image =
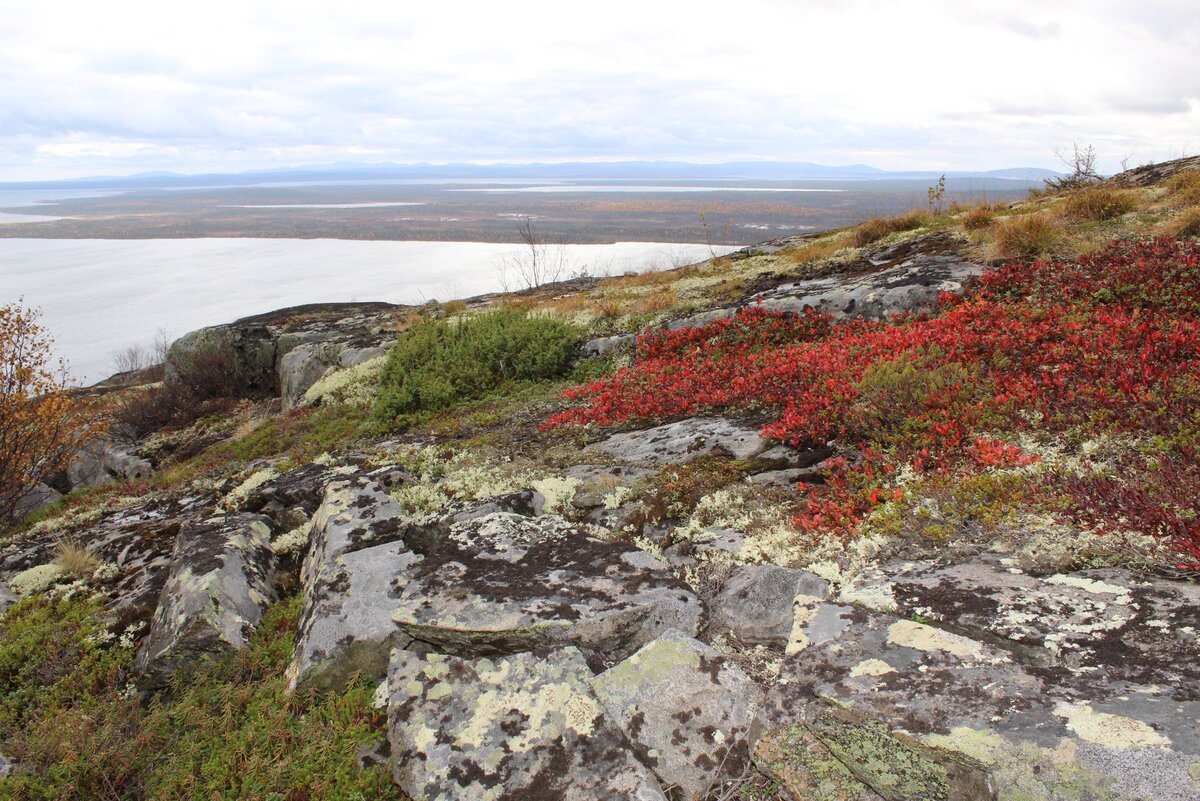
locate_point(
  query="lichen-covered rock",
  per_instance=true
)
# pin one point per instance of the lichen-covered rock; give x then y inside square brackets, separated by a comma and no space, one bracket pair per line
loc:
[686,710]
[685,441]
[910,286]
[603,345]
[504,583]
[357,562]
[1089,627]
[102,462]
[513,728]
[806,769]
[968,720]
[756,603]
[215,596]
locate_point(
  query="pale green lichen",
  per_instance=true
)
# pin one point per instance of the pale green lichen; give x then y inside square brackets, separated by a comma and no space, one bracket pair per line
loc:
[293,541]
[233,501]
[353,386]
[1108,730]
[557,491]
[36,579]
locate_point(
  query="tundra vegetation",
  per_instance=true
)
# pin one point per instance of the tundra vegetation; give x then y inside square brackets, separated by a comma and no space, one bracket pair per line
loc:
[1049,409]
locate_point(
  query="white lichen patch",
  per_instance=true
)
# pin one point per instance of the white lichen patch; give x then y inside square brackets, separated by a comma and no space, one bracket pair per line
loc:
[558,492]
[235,498]
[292,541]
[1110,731]
[1093,586]
[805,608]
[36,579]
[920,637]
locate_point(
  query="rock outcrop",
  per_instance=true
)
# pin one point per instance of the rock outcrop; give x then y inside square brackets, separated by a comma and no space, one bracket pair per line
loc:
[685,441]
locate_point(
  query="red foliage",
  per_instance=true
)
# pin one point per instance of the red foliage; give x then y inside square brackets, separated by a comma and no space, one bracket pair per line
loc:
[1107,344]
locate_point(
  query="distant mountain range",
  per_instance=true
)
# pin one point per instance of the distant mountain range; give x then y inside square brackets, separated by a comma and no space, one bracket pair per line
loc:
[574,171]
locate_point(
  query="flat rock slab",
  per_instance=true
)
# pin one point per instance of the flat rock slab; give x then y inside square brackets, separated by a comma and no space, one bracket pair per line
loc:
[503,583]
[905,705]
[214,597]
[806,769]
[910,286]
[356,564]
[686,710]
[514,728]
[685,441]
[756,603]
[1084,629]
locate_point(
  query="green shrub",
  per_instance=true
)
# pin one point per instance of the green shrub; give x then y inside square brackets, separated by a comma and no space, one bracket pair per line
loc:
[436,363]
[229,732]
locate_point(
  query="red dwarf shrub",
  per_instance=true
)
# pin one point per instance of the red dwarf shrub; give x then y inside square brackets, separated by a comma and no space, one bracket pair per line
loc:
[1109,344]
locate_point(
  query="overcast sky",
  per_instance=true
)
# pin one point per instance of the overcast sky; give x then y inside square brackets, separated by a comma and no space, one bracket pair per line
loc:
[116,87]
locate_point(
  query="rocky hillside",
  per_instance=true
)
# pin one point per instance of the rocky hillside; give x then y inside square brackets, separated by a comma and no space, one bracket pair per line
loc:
[907,511]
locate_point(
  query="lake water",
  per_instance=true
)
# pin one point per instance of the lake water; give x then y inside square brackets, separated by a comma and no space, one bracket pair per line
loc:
[98,297]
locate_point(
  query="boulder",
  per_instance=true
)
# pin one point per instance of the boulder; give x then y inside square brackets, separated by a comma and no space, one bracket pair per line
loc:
[357,562]
[603,345]
[686,710]
[756,603]
[914,711]
[247,352]
[215,595]
[41,496]
[912,285]
[102,462]
[512,728]
[685,441]
[503,583]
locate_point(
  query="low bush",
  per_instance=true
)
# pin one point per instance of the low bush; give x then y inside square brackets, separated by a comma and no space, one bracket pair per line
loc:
[231,732]
[1106,345]
[201,385]
[1026,236]
[436,364]
[1098,203]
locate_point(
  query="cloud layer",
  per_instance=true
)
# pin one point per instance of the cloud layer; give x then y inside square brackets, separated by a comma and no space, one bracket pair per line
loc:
[106,88]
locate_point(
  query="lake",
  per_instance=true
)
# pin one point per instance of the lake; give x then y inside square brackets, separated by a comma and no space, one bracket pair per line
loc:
[99,296]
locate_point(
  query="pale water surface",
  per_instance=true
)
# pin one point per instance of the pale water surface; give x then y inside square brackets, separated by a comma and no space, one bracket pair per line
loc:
[99,296]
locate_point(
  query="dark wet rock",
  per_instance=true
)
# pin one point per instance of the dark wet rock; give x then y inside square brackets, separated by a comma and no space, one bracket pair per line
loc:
[504,583]
[805,768]
[602,345]
[1088,627]
[912,285]
[214,597]
[357,563]
[512,728]
[756,603]
[906,705]
[686,710]
[300,489]
[685,441]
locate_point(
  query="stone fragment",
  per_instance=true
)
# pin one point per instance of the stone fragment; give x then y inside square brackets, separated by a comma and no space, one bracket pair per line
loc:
[214,597]
[755,605]
[686,710]
[685,441]
[504,583]
[355,565]
[513,728]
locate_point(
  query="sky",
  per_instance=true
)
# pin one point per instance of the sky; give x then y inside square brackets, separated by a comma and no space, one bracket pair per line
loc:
[124,86]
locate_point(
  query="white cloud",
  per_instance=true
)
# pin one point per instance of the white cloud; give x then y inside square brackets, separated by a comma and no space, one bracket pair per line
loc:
[88,87]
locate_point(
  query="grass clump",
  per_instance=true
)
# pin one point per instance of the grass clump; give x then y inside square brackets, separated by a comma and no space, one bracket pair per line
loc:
[1186,224]
[436,364]
[1026,236]
[978,218]
[878,228]
[1098,203]
[230,733]
[75,559]
[1185,187]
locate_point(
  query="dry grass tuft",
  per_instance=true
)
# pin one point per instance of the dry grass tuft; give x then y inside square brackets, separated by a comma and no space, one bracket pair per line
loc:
[608,308]
[656,302]
[1099,203]
[648,278]
[816,250]
[1027,236]
[878,228]
[75,559]
[1186,224]
[1185,187]
[454,306]
[978,218]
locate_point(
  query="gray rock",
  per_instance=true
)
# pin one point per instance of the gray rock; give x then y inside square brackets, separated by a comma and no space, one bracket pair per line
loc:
[356,564]
[503,583]
[914,711]
[911,286]
[756,604]
[504,729]
[710,545]
[686,710]
[38,498]
[214,597]
[303,366]
[6,767]
[700,319]
[788,478]
[685,441]
[603,345]
[102,462]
